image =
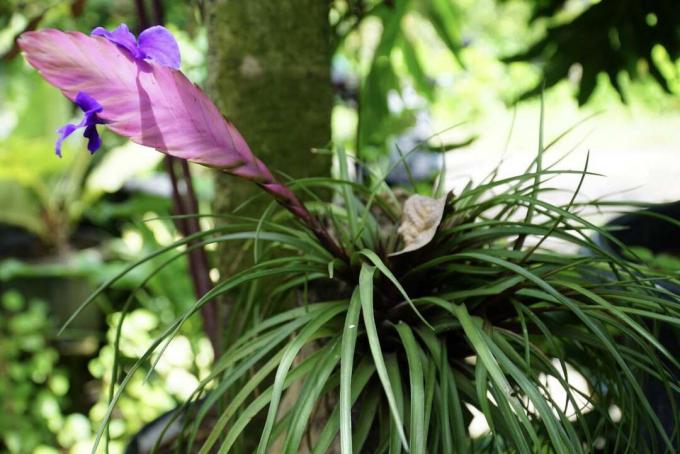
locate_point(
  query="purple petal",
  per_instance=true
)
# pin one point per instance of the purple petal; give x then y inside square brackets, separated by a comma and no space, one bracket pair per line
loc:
[87,103]
[121,36]
[93,139]
[158,44]
[63,132]
[89,122]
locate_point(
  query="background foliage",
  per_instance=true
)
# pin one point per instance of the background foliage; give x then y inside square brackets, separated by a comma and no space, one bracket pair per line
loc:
[403,71]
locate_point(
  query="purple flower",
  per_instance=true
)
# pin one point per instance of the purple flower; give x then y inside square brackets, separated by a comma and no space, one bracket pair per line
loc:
[155,43]
[90,121]
[155,106]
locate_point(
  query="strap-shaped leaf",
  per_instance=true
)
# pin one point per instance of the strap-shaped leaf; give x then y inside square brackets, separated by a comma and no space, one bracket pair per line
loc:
[349,338]
[415,371]
[366,292]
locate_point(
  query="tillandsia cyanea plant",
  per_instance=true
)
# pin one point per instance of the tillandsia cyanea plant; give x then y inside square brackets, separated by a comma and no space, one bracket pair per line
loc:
[377,323]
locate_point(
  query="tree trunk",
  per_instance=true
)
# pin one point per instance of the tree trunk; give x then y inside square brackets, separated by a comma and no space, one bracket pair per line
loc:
[269,73]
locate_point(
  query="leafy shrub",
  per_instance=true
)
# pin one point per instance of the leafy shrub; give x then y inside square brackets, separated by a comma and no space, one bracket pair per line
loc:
[32,387]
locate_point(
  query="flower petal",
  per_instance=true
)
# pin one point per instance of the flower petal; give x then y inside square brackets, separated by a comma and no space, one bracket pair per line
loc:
[87,103]
[158,44]
[63,132]
[122,36]
[93,139]
[150,104]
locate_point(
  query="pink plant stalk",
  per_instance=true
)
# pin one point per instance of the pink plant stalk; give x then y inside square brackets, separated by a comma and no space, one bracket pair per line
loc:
[144,98]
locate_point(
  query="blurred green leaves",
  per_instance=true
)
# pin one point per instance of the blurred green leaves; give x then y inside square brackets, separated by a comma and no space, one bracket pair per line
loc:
[31,385]
[40,192]
[611,37]
[395,62]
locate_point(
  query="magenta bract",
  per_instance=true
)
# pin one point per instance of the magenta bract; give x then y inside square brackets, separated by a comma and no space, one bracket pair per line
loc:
[154,105]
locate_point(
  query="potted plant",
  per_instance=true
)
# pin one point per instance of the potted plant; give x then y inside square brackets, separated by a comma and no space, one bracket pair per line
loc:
[374,323]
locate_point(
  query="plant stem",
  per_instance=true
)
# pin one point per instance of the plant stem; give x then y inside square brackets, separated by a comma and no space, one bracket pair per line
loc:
[185,205]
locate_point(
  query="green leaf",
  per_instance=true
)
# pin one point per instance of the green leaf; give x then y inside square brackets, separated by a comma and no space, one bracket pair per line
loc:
[246,415]
[350,207]
[504,393]
[237,401]
[366,292]
[421,80]
[452,407]
[588,322]
[362,374]
[394,372]
[286,361]
[367,414]
[309,397]
[444,17]
[537,180]
[349,337]
[415,368]
[373,257]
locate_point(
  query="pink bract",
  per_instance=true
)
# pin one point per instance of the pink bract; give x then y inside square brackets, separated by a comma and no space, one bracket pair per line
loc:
[155,106]
[150,104]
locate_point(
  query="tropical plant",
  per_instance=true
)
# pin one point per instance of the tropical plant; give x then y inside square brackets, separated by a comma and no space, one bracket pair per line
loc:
[374,322]
[388,349]
[379,349]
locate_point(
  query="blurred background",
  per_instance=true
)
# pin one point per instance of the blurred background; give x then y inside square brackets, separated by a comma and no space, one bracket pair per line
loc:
[458,81]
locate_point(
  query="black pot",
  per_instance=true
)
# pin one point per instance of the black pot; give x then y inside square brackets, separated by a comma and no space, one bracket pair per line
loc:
[653,228]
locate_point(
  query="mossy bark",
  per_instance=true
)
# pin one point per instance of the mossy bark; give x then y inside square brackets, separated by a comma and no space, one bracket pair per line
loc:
[269,73]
